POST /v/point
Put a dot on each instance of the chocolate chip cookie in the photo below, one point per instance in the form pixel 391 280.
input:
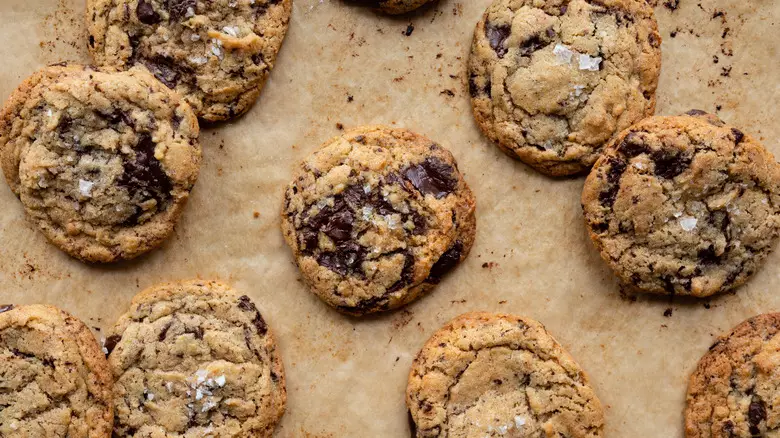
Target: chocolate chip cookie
pixel 733 391
pixel 376 217
pixel 102 161
pixel 216 53
pixel 195 359
pixel 54 380
pixel 552 81
pixel 393 7
pixel 491 375
pixel 684 205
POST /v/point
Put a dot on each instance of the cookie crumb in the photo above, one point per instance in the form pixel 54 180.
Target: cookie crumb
pixel 668 312
pixel 409 30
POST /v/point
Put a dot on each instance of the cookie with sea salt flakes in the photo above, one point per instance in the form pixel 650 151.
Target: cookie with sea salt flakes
pixel 552 81
pixel 376 217
pixel 102 161
pixel 216 53
pixel 392 7
pixel 684 205
pixel 195 359
pixel 493 375
pixel 733 391
pixel 54 380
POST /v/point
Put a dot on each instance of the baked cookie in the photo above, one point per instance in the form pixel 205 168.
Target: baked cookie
pixel 684 205
pixel 54 380
pixel 216 53
pixel 393 7
pixel 195 359
pixel 491 375
pixel 733 391
pixel 103 162
pixel 376 217
pixel 552 81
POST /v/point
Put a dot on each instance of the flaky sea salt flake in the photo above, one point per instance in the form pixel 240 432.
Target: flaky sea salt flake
pixel 519 421
pixel 590 63
pixel 563 53
pixel 688 223
pixel 85 187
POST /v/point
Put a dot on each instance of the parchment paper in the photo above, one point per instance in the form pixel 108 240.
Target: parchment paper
pixel 344 65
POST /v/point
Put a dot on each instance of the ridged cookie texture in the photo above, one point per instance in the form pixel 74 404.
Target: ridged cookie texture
pixel 684 205
pixel 733 392
pixel 102 161
pixel 494 375
pixel 392 7
pixel 54 379
pixel 376 217
pixel 216 53
pixel 195 359
pixel 552 81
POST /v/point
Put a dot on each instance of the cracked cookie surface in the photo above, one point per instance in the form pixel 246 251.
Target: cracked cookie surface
pixel 392 7
pixel 684 205
pixel 733 391
pixel 103 162
pixel 216 53
pixel 552 81
pixel 376 217
pixel 493 375
pixel 54 380
pixel 195 359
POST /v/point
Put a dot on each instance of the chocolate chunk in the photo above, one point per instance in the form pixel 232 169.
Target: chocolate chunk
pixel 119 116
pixel 432 176
pixel 738 135
pixel 728 427
pixel 245 304
pixel 533 44
pixel 756 414
pixel 669 166
pixel 258 59
pixel 260 324
pixel 446 262
pixel 347 258
pixel 146 13
pixel 339 227
pixel 310 239
pixel 111 342
pixel 497 36
pixel 197 332
pixel 420 224
pixel 178 8
pixel 144 174
pixel 407 274
pixel 632 146
pixel 6 307
pixel 164 332
pixel 616 169
pixel 164 70
pixel 707 256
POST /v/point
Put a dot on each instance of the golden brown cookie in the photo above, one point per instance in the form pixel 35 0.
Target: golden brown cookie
pixel 215 53
pixel 195 359
pixel 684 205
pixel 492 375
pixel 734 390
pixel 102 161
pixel 376 217
pixel 552 81
pixel 54 380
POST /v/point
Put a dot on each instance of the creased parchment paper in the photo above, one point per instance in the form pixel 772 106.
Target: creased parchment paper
pixel 344 65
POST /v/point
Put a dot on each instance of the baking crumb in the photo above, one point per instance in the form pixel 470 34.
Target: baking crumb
pixel 256 214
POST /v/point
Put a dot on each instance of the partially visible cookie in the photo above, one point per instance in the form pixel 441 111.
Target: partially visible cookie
pixel 393 7
pixel 684 205
pixel 54 379
pixel 552 81
pixel 734 390
pixel 216 53
pixel 376 217
pixel 492 375
pixel 195 359
pixel 103 162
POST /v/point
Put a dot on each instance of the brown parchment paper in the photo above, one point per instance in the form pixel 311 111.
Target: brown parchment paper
pixel 344 65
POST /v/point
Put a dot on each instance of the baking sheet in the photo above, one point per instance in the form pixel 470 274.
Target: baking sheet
pixel 344 65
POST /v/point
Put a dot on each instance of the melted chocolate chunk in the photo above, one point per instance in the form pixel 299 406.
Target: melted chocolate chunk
pixel 497 36
pixel 111 342
pixel 433 177
pixel 164 70
pixel 258 59
pixel 738 135
pixel 347 258
pixel 260 324
pixel 6 307
pixel 245 304
pixel 446 262
pixel 632 146
pixel 146 13
pixel 756 414
pixel 669 166
pixel 616 169
pixel 533 44
pixel 407 274
pixel 339 227
pixel 164 332
pixel 178 8
pixel 144 174
pixel 707 256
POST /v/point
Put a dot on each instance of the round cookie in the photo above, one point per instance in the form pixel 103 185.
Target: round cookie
pixel 733 391
pixel 393 7
pixel 492 375
pixel 552 81
pixel 215 53
pixel 195 359
pixel 683 205
pixel 103 162
pixel 54 379
pixel 376 217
